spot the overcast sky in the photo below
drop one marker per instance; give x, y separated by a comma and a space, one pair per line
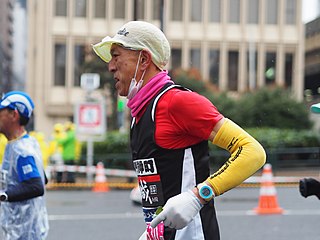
310, 10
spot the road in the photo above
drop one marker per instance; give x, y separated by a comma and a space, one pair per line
86, 215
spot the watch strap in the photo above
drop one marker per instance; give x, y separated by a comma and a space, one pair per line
200, 187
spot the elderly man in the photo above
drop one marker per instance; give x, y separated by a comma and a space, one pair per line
170, 130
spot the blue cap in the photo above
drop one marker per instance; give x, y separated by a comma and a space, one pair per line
19, 101
315, 108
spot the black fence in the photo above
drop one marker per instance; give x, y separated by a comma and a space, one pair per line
294, 157
280, 158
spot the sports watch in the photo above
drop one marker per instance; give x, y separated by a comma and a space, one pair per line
3, 197
205, 192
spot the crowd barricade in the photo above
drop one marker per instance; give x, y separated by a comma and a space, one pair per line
92, 169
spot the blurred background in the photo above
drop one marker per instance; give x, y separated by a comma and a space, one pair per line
258, 61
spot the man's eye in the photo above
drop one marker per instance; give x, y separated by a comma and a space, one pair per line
115, 54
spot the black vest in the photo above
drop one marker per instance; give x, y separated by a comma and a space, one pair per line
163, 173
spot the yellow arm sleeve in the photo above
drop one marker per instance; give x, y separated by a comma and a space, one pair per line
247, 156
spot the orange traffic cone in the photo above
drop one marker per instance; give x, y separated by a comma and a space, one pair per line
268, 203
100, 184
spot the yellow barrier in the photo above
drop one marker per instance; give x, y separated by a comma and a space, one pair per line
124, 185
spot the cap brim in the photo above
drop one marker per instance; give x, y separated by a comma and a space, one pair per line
4, 103
315, 108
102, 49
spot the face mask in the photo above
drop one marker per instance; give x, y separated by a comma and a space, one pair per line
134, 86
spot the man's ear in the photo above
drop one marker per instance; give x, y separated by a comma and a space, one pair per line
146, 59
17, 114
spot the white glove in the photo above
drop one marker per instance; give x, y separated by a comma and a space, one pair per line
179, 211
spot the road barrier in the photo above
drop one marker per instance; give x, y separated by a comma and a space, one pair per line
126, 179
100, 182
268, 200
92, 169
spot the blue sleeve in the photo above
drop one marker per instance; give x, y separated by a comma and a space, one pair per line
27, 168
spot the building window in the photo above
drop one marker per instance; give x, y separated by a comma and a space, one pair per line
233, 66
176, 10
100, 8
61, 8
234, 11
176, 56
270, 73
215, 11
252, 63
59, 64
80, 8
139, 9
272, 12
195, 58
288, 70
157, 9
253, 11
119, 9
291, 11
79, 59
214, 59
195, 10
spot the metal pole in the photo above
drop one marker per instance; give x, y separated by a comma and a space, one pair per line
89, 147
89, 160
135, 10
161, 14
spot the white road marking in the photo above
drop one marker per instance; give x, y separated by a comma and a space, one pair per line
94, 216
72, 217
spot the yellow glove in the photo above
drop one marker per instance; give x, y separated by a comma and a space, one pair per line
247, 156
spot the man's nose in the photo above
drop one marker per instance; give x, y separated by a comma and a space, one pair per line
111, 66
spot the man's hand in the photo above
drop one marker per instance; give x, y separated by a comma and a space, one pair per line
178, 211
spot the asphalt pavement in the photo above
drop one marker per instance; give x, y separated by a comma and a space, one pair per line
83, 215
87, 215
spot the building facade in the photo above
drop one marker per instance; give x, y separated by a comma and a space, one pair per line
312, 58
6, 45
237, 45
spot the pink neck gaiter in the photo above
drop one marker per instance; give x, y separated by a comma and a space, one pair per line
147, 92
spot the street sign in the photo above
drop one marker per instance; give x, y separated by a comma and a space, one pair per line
90, 81
90, 119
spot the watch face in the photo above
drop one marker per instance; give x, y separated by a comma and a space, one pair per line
206, 192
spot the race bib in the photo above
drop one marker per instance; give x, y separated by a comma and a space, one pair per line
149, 182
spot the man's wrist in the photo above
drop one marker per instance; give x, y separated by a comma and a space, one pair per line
3, 197
196, 193
204, 192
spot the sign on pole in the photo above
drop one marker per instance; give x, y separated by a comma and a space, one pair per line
90, 81
90, 119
